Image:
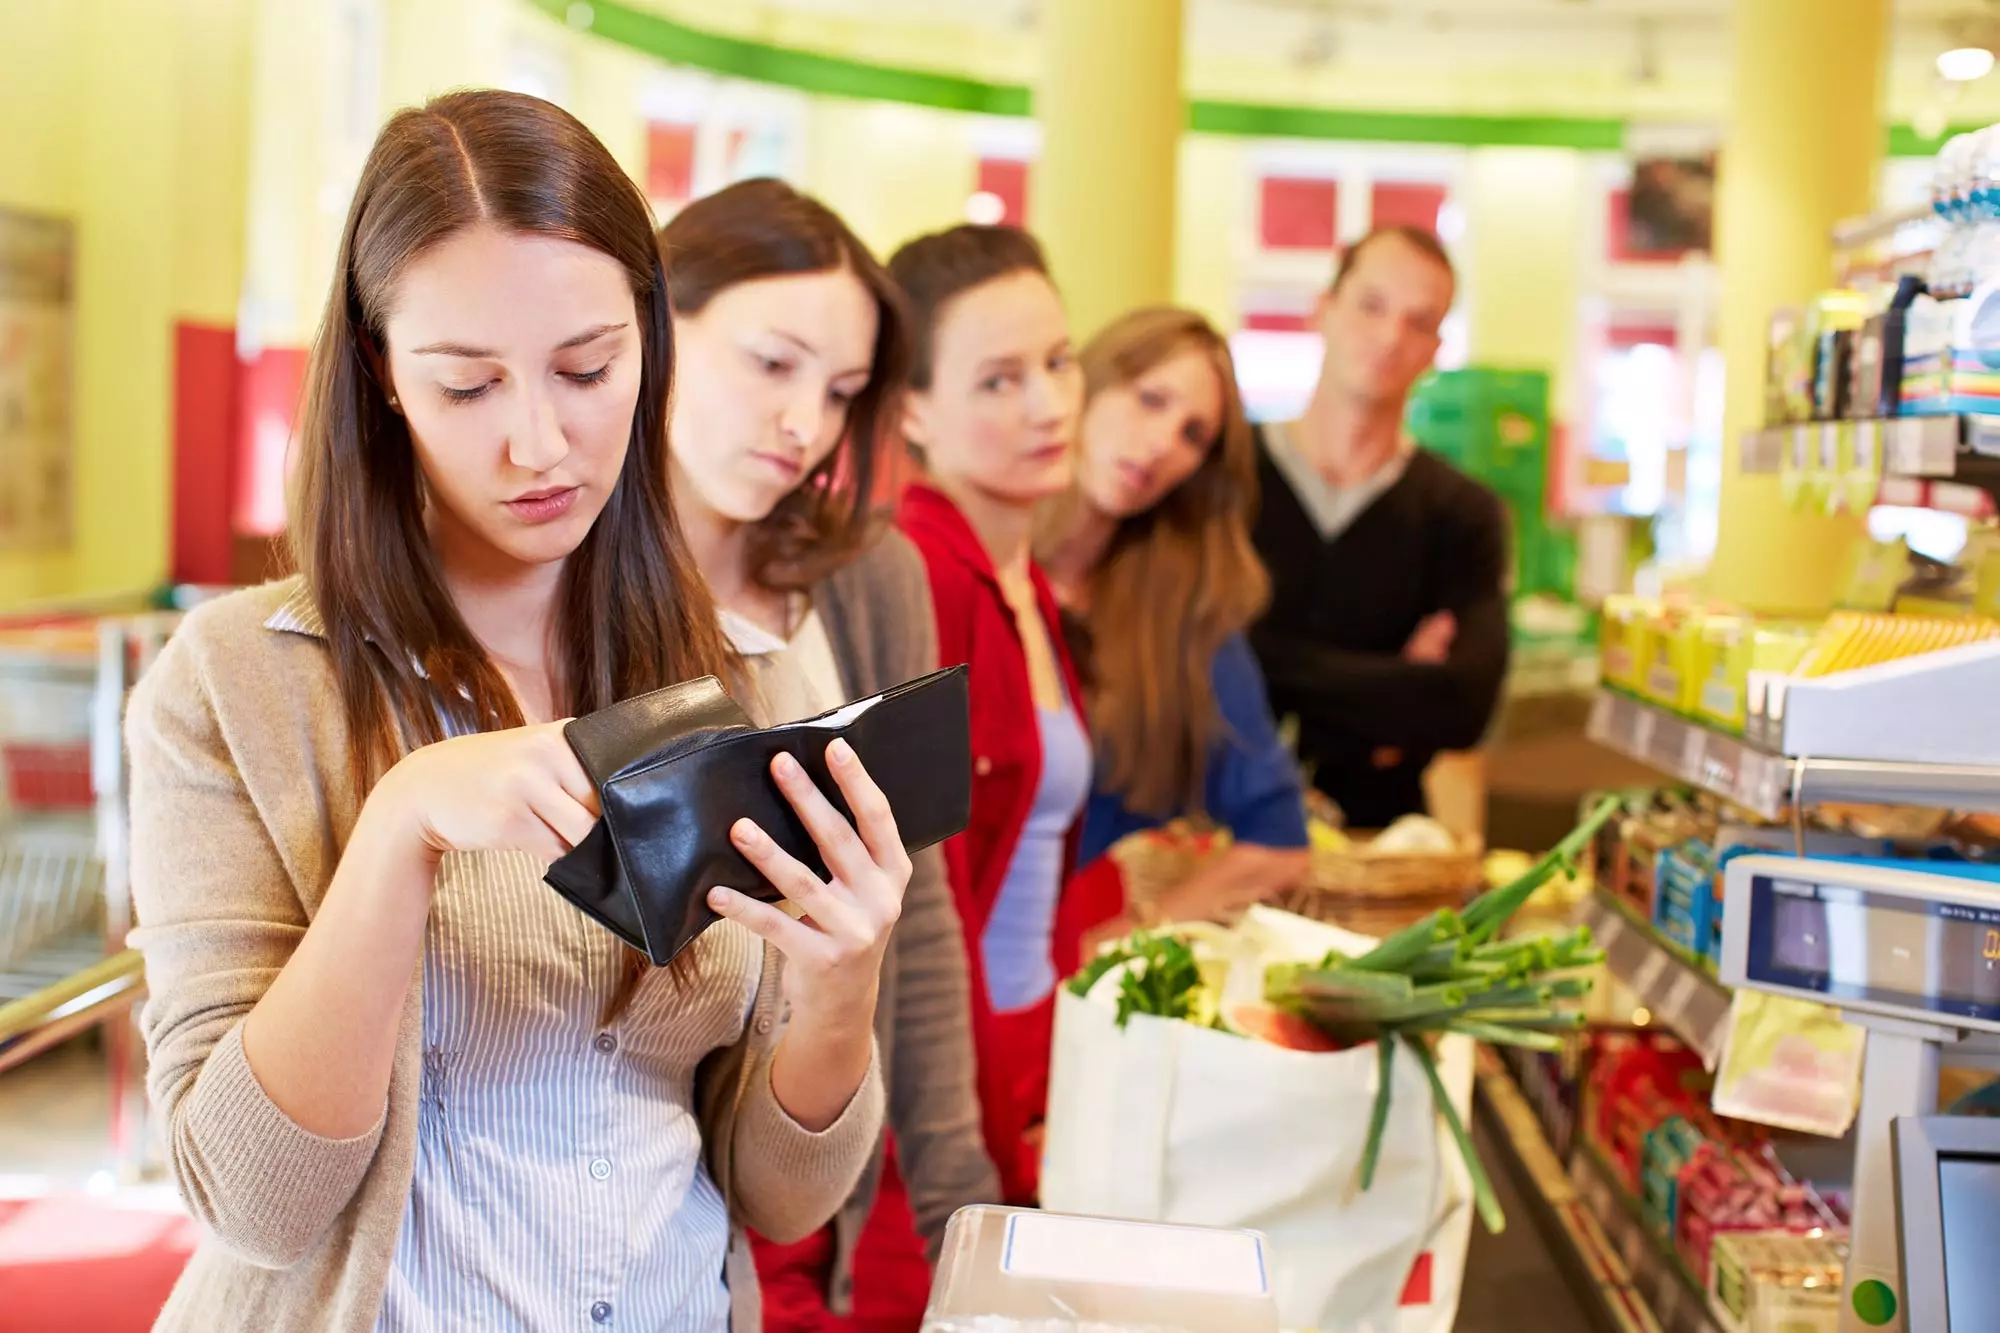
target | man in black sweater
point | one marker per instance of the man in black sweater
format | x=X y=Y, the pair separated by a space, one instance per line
x=1387 y=631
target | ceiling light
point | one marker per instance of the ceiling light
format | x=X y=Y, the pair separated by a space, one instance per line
x=1963 y=64
x=985 y=209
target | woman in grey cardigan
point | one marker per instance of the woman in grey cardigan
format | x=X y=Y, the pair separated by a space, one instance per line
x=792 y=347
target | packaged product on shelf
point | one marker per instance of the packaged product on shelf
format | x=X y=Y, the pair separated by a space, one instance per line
x=1618 y=639
x=1667 y=817
x=1731 y=648
x=1787 y=370
x=1636 y=1079
x=1925 y=388
x=1685 y=907
x=1851 y=639
x=1878 y=357
x=1775 y=1283
x=1668 y=644
x=1730 y=1189
x=1833 y=318
x=1791 y=1064
x=1669 y=1147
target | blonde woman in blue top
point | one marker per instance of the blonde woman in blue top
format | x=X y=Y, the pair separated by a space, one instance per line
x=1150 y=556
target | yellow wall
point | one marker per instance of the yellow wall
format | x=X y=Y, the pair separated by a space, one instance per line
x=119 y=116
x=40 y=164
x=1524 y=210
x=893 y=172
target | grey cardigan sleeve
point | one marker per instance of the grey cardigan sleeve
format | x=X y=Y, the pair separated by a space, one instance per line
x=219 y=918
x=933 y=1093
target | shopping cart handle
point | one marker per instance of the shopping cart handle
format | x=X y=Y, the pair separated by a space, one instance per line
x=81 y=1000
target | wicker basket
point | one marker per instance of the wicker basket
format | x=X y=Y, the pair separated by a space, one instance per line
x=1354 y=888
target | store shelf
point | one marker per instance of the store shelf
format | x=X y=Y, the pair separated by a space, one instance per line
x=1581 y=1246
x=1914 y=452
x=1762 y=781
x=1679 y=993
x=1724 y=765
x=1670 y=1291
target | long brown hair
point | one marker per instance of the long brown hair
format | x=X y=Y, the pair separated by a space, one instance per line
x=1174 y=583
x=633 y=613
x=764 y=228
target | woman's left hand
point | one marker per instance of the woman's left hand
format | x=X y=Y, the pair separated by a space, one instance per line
x=833 y=953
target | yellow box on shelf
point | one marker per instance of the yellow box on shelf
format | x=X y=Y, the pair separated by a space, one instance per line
x=1619 y=639
x=1669 y=646
x=1852 y=639
x=1731 y=648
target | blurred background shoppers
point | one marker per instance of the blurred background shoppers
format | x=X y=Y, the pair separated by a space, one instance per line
x=1386 y=634
x=1150 y=555
x=792 y=347
x=406 y=1085
x=994 y=395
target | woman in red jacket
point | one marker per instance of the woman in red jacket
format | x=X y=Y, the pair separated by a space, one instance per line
x=994 y=396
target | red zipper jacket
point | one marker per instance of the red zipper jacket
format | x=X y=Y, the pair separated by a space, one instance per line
x=976 y=626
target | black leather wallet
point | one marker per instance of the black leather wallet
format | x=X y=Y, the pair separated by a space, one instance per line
x=677 y=767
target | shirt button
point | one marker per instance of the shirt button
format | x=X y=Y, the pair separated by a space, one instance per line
x=982 y=766
x=605 y=1043
x=600 y=1313
x=600 y=1170
x=763 y=1027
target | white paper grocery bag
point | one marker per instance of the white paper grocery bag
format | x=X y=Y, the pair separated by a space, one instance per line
x=1165 y=1121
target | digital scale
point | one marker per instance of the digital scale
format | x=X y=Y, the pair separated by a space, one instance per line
x=1909 y=950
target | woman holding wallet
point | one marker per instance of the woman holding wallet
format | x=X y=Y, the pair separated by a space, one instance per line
x=792 y=343
x=994 y=393
x=1165 y=488
x=405 y=1085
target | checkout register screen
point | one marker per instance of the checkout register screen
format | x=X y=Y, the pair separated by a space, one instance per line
x=1969 y=1206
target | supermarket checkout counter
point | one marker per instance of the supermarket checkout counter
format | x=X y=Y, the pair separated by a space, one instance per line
x=1948 y=1221
x=1011 y=1270
x=1909 y=950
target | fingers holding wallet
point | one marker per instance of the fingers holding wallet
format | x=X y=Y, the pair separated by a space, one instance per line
x=839 y=944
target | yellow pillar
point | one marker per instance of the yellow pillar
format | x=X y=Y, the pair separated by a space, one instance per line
x=1804 y=140
x=1103 y=197
x=1523 y=263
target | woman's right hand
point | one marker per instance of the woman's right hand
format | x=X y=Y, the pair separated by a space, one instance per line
x=521 y=790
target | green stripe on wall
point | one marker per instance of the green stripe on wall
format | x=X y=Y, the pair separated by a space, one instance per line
x=808 y=71
x=1305 y=122
x=804 y=70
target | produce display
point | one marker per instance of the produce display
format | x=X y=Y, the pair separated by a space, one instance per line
x=1450 y=972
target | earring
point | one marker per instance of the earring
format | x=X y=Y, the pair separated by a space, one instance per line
x=395 y=404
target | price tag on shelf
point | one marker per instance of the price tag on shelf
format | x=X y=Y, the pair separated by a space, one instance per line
x=1694 y=750
x=1680 y=992
x=1829 y=447
x=1867 y=443
x=1643 y=726
x=1906 y=447
x=1609 y=928
x=1647 y=975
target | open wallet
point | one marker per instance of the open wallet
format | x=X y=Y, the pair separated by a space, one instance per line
x=676 y=768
